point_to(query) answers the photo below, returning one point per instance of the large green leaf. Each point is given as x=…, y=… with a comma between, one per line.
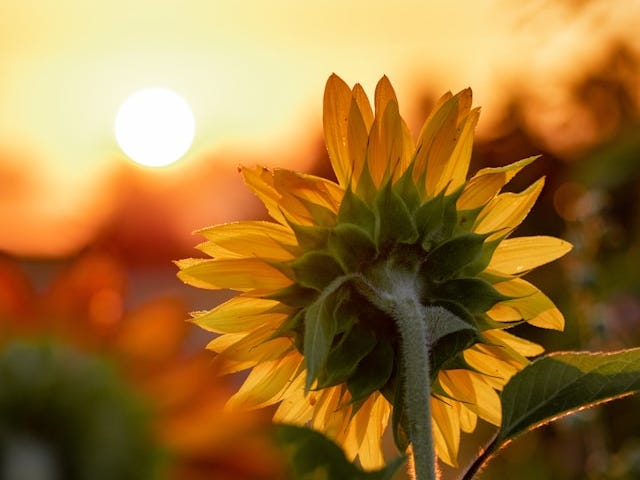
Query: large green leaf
x=560, y=384
x=312, y=456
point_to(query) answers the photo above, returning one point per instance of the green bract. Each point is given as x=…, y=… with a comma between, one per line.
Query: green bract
x=374, y=249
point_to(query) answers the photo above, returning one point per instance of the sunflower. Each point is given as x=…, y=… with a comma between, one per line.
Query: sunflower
x=319, y=287
x=72, y=355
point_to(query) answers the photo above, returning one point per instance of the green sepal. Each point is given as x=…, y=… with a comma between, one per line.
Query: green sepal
x=366, y=188
x=312, y=456
x=447, y=348
x=373, y=371
x=428, y=217
x=294, y=295
x=394, y=222
x=321, y=215
x=351, y=245
x=310, y=237
x=443, y=322
x=437, y=218
x=399, y=420
x=448, y=258
x=320, y=327
x=485, y=322
x=343, y=359
x=466, y=219
x=474, y=294
x=354, y=210
x=316, y=270
x=408, y=190
x=292, y=327
x=482, y=260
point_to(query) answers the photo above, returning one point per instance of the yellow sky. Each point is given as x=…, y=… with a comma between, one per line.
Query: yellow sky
x=253, y=72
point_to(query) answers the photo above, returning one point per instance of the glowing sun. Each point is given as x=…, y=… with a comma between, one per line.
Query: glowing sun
x=154, y=127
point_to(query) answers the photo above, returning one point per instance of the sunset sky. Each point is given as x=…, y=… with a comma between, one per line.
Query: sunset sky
x=253, y=73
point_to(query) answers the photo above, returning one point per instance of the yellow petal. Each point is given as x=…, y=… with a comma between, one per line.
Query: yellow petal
x=455, y=170
x=439, y=144
x=533, y=305
x=296, y=407
x=385, y=143
x=309, y=188
x=471, y=389
x=329, y=415
x=468, y=419
x=487, y=183
x=240, y=314
x=265, y=383
x=489, y=365
x=260, y=181
x=237, y=352
x=442, y=111
x=446, y=430
x=358, y=135
x=370, y=452
x=266, y=240
x=384, y=95
x=507, y=210
x=522, y=346
x=515, y=256
x=337, y=102
x=242, y=274
x=360, y=97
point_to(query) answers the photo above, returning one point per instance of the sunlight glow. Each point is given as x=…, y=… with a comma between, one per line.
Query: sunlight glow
x=155, y=127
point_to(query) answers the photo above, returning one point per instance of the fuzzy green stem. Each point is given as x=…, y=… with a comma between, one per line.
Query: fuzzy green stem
x=409, y=316
x=398, y=297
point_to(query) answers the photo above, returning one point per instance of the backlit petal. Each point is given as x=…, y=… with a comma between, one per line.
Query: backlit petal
x=242, y=274
x=249, y=239
x=518, y=255
x=507, y=210
x=455, y=170
x=487, y=183
x=337, y=102
x=265, y=383
x=446, y=430
x=533, y=305
x=370, y=452
x=239, y=314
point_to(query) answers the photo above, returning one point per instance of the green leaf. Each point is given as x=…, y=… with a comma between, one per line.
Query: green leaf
x=562, y=383
x=351, y=245
x=448, y=258
x=312, y=456
x=557, y=385
x=316, y=270
x=394, y=221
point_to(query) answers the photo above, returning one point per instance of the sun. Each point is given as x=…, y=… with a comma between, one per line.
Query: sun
x=155, y=127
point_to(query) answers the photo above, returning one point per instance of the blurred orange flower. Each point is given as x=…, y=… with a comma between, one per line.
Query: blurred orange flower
x=84, y=307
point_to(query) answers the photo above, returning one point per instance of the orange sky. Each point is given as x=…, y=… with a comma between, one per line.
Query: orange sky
x=253, y=72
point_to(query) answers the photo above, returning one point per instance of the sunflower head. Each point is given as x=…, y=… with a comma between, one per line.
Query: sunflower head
x=320, y=286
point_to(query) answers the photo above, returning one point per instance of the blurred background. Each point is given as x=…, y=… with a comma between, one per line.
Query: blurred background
x=88, y=294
